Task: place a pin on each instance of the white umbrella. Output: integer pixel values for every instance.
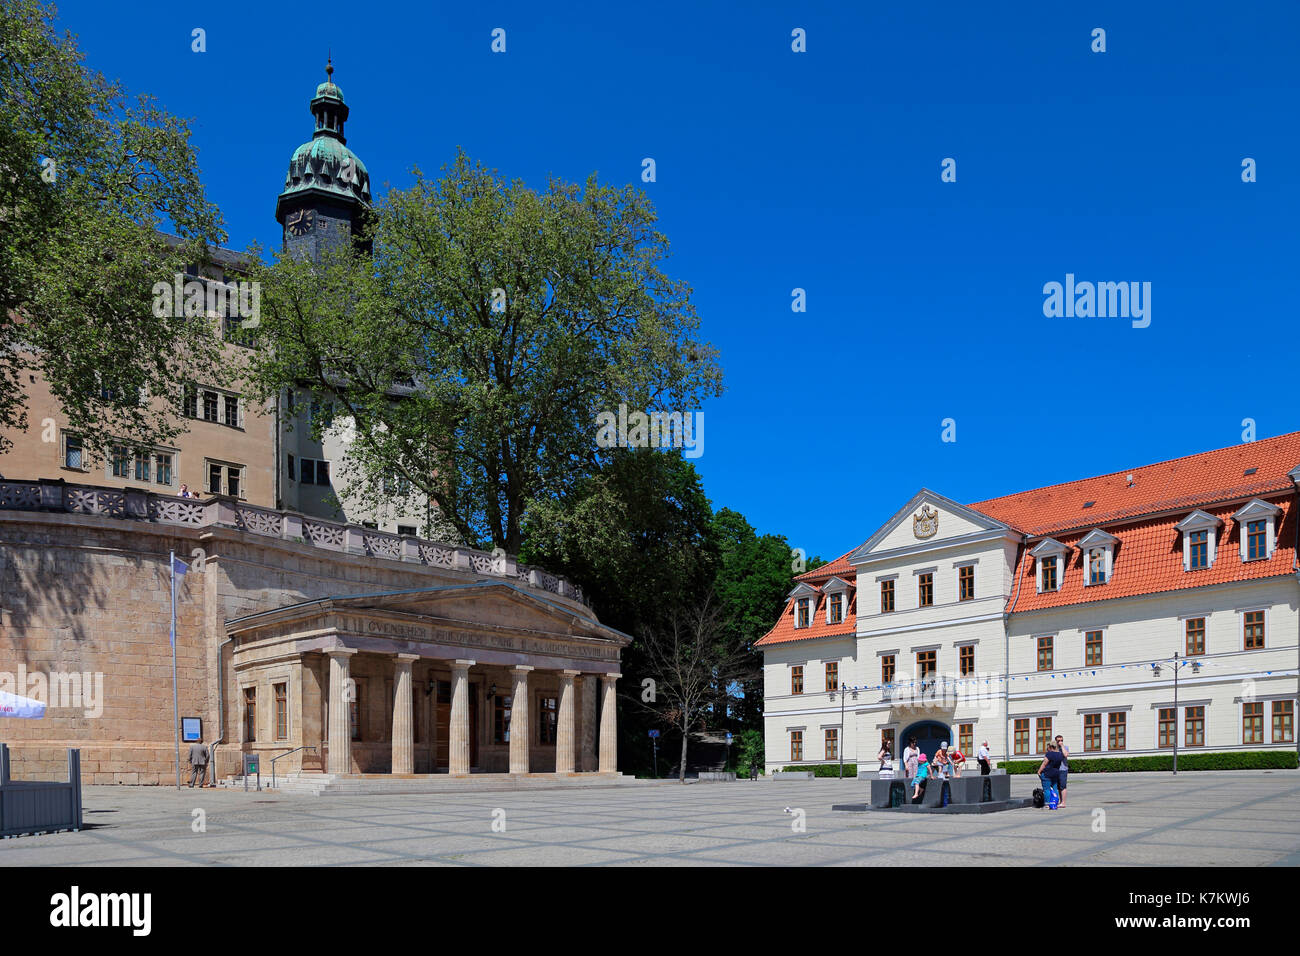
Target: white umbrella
(11, 705)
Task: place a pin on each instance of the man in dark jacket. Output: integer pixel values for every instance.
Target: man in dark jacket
(198, 763)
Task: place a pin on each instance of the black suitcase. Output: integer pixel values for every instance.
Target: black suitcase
(1040, 800)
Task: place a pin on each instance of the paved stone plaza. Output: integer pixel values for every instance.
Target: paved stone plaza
(1247, 818)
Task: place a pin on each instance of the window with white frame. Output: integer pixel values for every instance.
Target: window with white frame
(837, 599)
(1098, 549)
(1200, 532)
(1257, 529)
(803, 615)
(1050, 556)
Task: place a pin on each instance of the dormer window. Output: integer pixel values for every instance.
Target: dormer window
(1200, 540)
(803, 613)
(1098, 549)
(837, 599)
(1257, 528)
(805, 598)
(1051, 556)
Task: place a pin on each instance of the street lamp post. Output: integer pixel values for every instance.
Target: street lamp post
(1178, 664)
(842, 690)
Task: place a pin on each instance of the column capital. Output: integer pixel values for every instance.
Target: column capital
(341, 651)
(610, 678)
(407, 659)
(461, 664)
(522, 669)
(570, 674)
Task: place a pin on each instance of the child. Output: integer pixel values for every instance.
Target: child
(922, 775)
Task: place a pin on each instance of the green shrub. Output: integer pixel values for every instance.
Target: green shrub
(825, 769)
(1247, 760)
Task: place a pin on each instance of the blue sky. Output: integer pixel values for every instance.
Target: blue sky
(821, 170)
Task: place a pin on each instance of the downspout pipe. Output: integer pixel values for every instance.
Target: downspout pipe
(1295, 567)
(1006, 648)
(221, 710)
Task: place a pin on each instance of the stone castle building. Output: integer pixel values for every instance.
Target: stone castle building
(372, 649)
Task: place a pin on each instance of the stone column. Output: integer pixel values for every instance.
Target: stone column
(458, 752)
(403, 717)
(566, 737)
(587, 743)
(340, 729)
(608, 725)
(520, 708)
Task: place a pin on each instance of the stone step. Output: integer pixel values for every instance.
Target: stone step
(319, 784)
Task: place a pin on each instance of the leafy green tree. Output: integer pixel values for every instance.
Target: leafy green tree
(507, 320)
(750, 751)
(751, 584)
(87, 180)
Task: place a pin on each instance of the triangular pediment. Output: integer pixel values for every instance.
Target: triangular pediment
(803, 589)
(927, 519)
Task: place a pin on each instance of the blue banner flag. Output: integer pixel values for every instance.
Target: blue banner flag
(179, 566)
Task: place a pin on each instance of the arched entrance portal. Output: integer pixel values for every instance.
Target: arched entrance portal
(929, 735)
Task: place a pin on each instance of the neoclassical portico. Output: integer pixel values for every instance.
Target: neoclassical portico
(484, 677)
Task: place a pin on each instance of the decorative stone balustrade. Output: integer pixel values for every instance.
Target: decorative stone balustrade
(222, 511)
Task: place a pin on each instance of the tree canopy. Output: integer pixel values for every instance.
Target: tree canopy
(88, 181)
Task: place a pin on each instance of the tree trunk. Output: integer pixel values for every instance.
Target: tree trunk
(681, 770)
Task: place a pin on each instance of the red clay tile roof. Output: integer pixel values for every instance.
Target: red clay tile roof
(784, 631)
(1149, 559)
(1181, 483)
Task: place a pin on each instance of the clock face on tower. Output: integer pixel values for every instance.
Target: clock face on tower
(299, 224)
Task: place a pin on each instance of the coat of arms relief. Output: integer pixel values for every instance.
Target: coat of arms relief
(925, 523)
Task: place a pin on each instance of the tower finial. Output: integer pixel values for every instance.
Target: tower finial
(329, 67)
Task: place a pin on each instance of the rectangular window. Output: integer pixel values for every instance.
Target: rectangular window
(322, 472)
(1198, 542)
(214, 479)
(121, 461)
(189, 401)
(209, 406)
(232, 410)
(250, 714)
(926, 590)
(966, 659)
(796, 745)
(163, 469)
(1118, 727)
(1022, 735)
(72, 453)
(1097, 566)
(501, 719)
(1283, 721)
(1049, 574)
(1195, 636)
(796, 679)
(1194, 727)
(801, 612)
(926, 663)
(832, 743)
(886, 596)
(1045, 653)
(1252, 722)
(1256, 543)
(887, 669)
(142, 462)
(407, 529)
(836, 608)
(354, 712)
(288, 460)
(966, 738)
(1168, 728)
(234, 481)
(281, 711)
(1042, 734)
(1092, 649)
(1254, 630)
(966, 582)
(1092, 731)
(833, 676)
(548, 709)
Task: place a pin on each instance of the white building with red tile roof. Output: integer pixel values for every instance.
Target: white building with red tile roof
(1061, 610)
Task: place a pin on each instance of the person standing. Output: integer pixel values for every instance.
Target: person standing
(1065, 765)
(198, 763)
(984, 758)
(886, 759)
(1049, 771)
(910, 757)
